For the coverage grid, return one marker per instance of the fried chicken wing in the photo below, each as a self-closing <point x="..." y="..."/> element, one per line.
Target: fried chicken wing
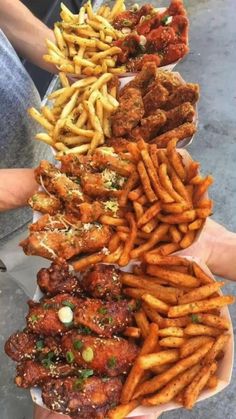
<point x="129" y="112"/>
<point x="56" y="222"/>
<point x="176" y="7"/>
<point x="102" y="281"/>
<point x="173" y="52"/>
<point x="180" y="26"/>
<point x="105" y="158"/>
<point x="188" y="92"/>
<point x="183" y="131"/>
<point x="23" y="345"/>
<point x="47" y="204"/>
<point x="82" y="398"/>
<point x="75" y="164"/>
<point x="108" y="356"/>
<point x="31" y="373"/>
<point x="53" y="244"/>
<point x="56" y="182"/>
<point x="136" y="64"/>
<point x="43" y="318"/>
<point x="102" y="185"/>
<point x="58" y="279"/>
<point x="103" y="318"/>
<point x="158" y="39"/>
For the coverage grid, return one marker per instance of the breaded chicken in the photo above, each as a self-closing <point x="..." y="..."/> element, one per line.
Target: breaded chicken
<point x="102" y="281"/>
<point x="45" y="203"/>
<point x="129" y="112"/>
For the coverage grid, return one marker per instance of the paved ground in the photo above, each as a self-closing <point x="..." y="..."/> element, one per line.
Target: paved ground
<point x="211" y="63"/>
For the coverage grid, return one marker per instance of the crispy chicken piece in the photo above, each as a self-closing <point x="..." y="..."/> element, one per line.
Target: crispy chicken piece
<point x="102" y="185"/>
<point x="90" y="212"/>
<point x="23" y="345"/>
<point x="75" y="164"/>
<point x="108" y="356"/>
<point x="130" y="19"/>
<point x="43" y="319"/>
<point x="173" y="52"/>
<point x="168" y="80"/>
<point x="57" y="279"/>
<point x="158" y="39"/>
<point x="150" y="126"/>
<point x="142" y="80"/>
<point x="53" y="244"/>
<point x="129" y="112"/>
<point x="82" y="398"/>
<point x="102" y="281"/>
<point x="47" y="204"/>
<point x="178" y="116"/>
<point x="32" y="373"/>
<point x="183" y="131"/>
<point x="136" y="64"/>
<point x="188" y="92"/>
<point x="56" y="182"/>
<point x="103" y="318"/>
<point x="180" y="26"/>
<point x="155" y="98"/>
<point x="104" y="158"/>
<point x="130" y="47"/>
<point x="144" y="27"/>
<point x="56" y="222"/>
<point x="119" y="144"/>
<point x="176" y="7"/>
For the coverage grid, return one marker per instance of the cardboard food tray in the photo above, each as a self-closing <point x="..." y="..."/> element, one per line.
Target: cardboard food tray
<point x="224" y="371"/>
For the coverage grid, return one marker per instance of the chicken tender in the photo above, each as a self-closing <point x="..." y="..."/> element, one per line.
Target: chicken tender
<point x="143" y="79"/>
<point x="109" y="357"/>
<point x="183" y="131"/>
<point x="155" y="98"/>
<point x="178" y="116"/>
<point x="129" y="112"/>
<point x="188" y="92"/>
<point x="150" y="126"/>
<point x="82" y="398"/>
<point x="47" y="204"/>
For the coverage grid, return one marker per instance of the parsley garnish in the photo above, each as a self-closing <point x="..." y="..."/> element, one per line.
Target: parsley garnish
<point x="84" y="330"/>
<point x="164" y="20"/>
<point x="33" y="319"/>
<point x="102" y="310"/>
<point x="47" y="361"/>
<point x="39" y="345"/>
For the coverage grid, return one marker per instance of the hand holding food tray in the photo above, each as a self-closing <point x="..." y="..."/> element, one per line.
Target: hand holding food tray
<point x="183" y="333"/>
<point x="154" y="105"/>
<point x="118" y="40"/>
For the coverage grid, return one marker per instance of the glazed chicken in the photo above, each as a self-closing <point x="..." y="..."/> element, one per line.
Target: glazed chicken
<point x="66" y="244"/>
<point x="129" y="112"/>
<point x="82" y="398"/>
<point x="32" y="373"/>
<point x="43" y="319"/>
<point x="102" y="281"/>
<point x="103" y="318"/>
<point x="58" y="279"/>
<point x="109" y="357"/>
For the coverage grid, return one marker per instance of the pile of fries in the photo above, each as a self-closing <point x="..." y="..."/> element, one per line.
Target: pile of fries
<point x="183" y="333"/>
<point x="164" y="204"/>
<point x="78" y="120"/>
<point x="84" y="41"/>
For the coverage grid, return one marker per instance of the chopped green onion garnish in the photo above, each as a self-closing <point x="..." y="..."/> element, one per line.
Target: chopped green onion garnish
<point x="68" y="304"/>
<point x="111" y="362"/>
<point x="78" y="344"/>
<point x="70" y="357"/>
<point x="39" y="344"/>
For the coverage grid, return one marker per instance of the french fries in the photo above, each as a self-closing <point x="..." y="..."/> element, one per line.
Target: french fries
<point x="184" y="359"/>
<point x="75" y="123"/>
<point x="83" y="42"/>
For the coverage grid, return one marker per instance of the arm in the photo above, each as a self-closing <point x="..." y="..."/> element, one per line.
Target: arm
<point x="217" y="248"/>
<point x="16" y="187"/>
<point x="26" y="33"/>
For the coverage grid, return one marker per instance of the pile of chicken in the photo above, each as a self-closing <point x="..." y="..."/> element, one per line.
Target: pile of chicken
<point x="72" y="346"/>
<point x="152" y="36"/>
<point x="156" y="106"/>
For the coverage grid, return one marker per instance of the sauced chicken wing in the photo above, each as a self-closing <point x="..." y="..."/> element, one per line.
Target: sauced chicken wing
<point x="103" y="318"/>
<point x="58" y="279"/>
<point x="47" y="204"/>
<point x="82" y="398"/>
<point x="23" y="345"/>
<point x="51" y="244"/>
<point x="159" y="38"/>
<point x="43" y="317"/>
<point x="102" y="281"/>
<point x="56" y="182"/>
<point x="173" y="52"/>
<point x="107" y="356"/>
<point x="129" y="112"/>
<point x="31" y="373"/>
